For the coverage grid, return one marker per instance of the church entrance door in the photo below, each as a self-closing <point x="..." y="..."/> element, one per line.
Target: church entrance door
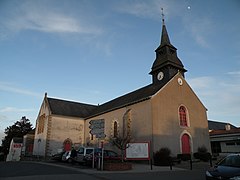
<point x="186" y="148"/>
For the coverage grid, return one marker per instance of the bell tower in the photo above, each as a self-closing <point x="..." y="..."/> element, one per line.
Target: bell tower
<point x="167" y="64"/>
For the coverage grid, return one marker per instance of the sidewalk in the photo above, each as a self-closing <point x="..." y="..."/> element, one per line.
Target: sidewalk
<point x="196" y="165"/>
<point x="136" y="168"/>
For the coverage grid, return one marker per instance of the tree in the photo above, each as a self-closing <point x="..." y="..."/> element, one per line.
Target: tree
<point x="19" y="129"/>
<point x="121" y="143"/>
<point x="121" y="140"/>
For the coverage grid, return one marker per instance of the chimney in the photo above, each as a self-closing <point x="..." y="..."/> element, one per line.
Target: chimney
<point x="227" y="127"/>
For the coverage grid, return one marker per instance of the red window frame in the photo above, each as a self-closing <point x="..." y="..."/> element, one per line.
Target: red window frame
<point x="183" y="116"/>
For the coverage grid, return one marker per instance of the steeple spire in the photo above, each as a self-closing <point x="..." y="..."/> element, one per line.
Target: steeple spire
<point x="164" y="38"/>
<point x="166" y="64"/>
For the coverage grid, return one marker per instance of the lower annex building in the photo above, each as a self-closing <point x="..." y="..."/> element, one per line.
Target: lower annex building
<point x="166" y="113"/>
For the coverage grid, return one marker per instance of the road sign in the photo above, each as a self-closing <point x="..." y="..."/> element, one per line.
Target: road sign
<point x="97" y="128"/>
<point x="99" y="123"/>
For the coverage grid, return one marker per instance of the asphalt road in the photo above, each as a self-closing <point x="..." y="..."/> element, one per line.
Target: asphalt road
<point x="39" y="171"/>
<point x="50" y="171"/>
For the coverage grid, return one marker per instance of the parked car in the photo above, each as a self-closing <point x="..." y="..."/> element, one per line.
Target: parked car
<point x="227" y="168"/>
<point x="107" y="155"/>
<point x="57" y="156"/>
<point x="110" y="155"/>
<point x="66" y="157"/>
<point x="82" y="153"/>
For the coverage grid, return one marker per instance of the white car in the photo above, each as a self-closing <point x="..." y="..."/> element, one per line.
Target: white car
<point x="82" y="153"/>
<point x="66" y="157"/>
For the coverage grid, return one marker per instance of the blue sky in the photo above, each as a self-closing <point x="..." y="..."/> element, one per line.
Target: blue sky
<point x="92" y="51"/>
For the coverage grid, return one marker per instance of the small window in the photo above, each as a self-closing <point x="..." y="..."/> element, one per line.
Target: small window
<point x="183" y="116"/>
<point x="115" y="129"/>
<point x="91" y="136"/>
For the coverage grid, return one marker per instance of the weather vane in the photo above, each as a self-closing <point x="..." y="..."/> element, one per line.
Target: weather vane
<point x="162" y="15"/>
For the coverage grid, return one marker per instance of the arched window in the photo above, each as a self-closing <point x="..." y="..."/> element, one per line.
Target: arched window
<point x="183" y="116"/>
<point x="115" y="129"/>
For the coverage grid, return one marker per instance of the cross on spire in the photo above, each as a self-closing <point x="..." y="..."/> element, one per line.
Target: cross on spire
<point x="162" y="16"/>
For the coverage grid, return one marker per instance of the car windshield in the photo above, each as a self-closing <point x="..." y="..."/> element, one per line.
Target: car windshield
<point x="232" y="160"/>
<point x="81" y="150"/>
<point x="112" y="154"/>
<point x="89" y="151"/>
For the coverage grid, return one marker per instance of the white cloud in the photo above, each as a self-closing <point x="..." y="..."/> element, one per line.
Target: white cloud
<point x="151" y="9"/>
<point x="13" y="109"/>
<point x="13" y="89"/>
<point x="146" y="9"/>
<point x="199" y="28"/>
<point x="201" y="82"/>
<point x="220" y="96"/>
<point x="2" y="118"/>
<point x="234" y="73"/>
<point x="45" y="18"/>
<point x="53" y="22"/>
<point x="49" y="22"/>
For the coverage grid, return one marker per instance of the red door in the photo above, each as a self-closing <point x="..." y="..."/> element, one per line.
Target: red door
<point x="186" y="148"/>
<point x="67" y="145"/>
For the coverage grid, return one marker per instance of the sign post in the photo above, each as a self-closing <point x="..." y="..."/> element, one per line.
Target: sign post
<point x="97" y="128"/>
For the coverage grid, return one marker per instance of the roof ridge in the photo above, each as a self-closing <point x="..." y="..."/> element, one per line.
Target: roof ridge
<point x="130" y="98"/>
<point x="70" y="101"/>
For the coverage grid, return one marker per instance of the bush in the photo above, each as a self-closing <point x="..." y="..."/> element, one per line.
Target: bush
<point x="162" y="157"/>
<point x="202" y="149"/>
<point x="202" y="154"/>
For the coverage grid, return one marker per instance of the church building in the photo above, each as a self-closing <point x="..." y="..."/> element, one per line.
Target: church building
<point x="166" y="113"/>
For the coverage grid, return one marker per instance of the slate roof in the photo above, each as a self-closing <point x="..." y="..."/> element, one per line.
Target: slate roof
<point x="76" y="109"/>
<point x="224" y="132"/>
<point x="215" y="125"/>
<point x="136" y="96"/>
<point x="69" y="108"/>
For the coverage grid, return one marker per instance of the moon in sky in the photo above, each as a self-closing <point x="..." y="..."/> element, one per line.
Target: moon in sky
<point x="188" y="7"/>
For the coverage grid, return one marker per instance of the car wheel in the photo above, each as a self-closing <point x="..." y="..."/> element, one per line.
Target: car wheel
<point x="70" y="160"/>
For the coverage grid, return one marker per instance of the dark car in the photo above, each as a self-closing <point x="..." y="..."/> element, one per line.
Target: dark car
<point x="227" y="168"/>
<point x="108" y="155"/>
<point x="57" y="156"/>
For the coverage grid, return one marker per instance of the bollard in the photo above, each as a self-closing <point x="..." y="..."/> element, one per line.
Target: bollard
<point x="191" y="164"/>
<point x="210" y="160"/>
<point x="151" y="163"/>
<point x="171" y="163"/>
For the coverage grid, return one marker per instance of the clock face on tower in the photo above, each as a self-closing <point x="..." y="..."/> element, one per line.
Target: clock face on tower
<point x="160" y="76"/>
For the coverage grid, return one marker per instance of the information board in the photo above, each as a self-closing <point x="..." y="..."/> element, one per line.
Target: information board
<point x="138" y="151"/>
